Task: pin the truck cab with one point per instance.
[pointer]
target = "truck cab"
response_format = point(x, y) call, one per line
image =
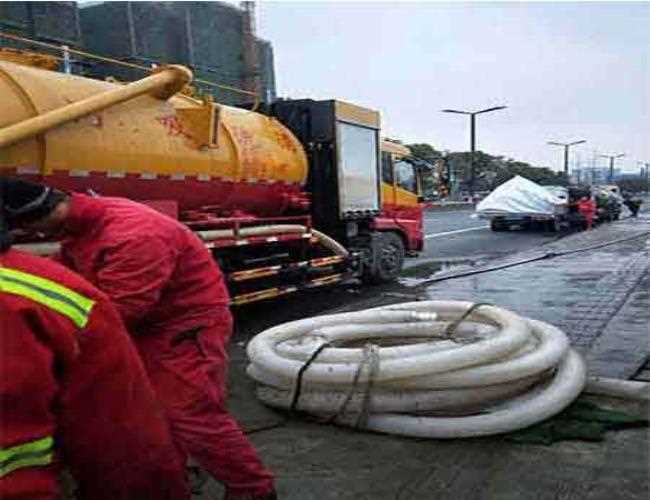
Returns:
point(401, 190)
point(364, 192)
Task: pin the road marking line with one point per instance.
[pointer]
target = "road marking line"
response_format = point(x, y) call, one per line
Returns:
point(457, 231)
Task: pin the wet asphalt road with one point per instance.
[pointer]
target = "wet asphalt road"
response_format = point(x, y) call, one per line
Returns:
point(452, 236)
point(456, 235)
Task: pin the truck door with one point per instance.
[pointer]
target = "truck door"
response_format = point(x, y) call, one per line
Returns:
point(408, 209)
point(401, 205)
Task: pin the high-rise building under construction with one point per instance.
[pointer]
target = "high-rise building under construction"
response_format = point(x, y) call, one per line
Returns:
point(217, 40)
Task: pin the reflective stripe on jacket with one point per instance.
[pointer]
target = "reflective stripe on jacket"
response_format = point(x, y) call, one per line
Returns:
point(58, 299)
point(48, 293)
point(30, 454)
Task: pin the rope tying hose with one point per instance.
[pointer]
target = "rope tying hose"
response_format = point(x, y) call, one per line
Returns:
point(453, 326)
point(296, 395)
point(355, 382)
point(372, 357)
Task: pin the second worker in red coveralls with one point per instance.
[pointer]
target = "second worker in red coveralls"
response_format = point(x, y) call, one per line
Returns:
point(172, 297)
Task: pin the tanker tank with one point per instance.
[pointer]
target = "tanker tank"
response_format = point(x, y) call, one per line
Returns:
point(193, 152)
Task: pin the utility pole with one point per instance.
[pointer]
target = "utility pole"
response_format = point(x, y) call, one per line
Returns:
point(450, 177)
point(645, 175)
point(612, 158)
point(472, 139)
point(566, 146)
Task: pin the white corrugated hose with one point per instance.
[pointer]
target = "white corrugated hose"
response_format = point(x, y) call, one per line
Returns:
point(436, 369)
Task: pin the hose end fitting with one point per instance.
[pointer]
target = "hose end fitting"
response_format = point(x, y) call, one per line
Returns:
point(425, 316)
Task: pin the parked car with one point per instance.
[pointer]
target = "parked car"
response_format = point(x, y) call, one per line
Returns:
point(521, 204)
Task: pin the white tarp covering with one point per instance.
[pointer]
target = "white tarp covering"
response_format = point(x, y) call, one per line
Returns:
point(558, 191)
point(521, 196)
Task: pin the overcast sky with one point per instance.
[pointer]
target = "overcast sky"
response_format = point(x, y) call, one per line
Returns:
point(566, 71)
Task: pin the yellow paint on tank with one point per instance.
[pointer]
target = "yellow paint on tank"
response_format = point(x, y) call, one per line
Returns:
point(29, 58)
point(142, 136)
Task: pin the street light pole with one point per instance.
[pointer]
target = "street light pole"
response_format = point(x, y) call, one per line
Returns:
point(645, 175)
point(611, 169)
point(472, 139)
point(566, 146)
point(472, 158)
point(612, 158)
point(566, 162)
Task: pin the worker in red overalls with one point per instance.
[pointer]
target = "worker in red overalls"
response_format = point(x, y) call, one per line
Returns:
point(73, 391)
point(587, 208)
point(172, 297)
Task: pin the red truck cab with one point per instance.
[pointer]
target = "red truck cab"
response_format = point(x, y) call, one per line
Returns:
point(401, 191)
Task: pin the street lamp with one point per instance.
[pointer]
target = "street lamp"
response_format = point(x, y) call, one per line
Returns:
point(645, 175)
point(472, 137)
point(566, 146)
point(611, 164)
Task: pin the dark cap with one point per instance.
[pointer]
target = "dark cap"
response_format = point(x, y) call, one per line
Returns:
point(25, 202)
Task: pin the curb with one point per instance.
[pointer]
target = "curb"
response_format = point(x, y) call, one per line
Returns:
point(448, 207)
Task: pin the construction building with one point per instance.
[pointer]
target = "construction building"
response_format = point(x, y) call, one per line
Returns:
point(54, 22)
point(217, 40)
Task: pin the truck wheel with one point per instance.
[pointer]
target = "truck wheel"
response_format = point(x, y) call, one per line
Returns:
point(554, 226)
point(388, 255)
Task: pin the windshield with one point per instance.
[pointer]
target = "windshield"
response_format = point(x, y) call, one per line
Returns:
point(405, 176)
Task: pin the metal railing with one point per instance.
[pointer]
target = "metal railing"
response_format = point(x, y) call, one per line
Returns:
point(65, 51)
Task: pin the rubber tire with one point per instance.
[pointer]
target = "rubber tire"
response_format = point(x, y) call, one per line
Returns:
point(390, 252)
point(554, 226)
point(497, 226)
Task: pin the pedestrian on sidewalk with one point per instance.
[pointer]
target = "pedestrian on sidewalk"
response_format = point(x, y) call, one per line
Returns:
point(634, 205)
point(587, 208)
point(173, 300)
point(74, 393)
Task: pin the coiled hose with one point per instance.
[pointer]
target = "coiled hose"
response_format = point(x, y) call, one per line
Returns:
point(437, 369)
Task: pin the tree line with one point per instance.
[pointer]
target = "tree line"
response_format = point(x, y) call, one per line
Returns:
point(490, 171)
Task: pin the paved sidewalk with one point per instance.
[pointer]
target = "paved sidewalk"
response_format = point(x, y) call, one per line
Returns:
point(600, 298)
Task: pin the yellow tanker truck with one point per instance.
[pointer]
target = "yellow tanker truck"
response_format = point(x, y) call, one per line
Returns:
point(287, 199)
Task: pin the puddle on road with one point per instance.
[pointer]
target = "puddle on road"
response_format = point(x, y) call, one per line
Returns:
point(414, 275)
